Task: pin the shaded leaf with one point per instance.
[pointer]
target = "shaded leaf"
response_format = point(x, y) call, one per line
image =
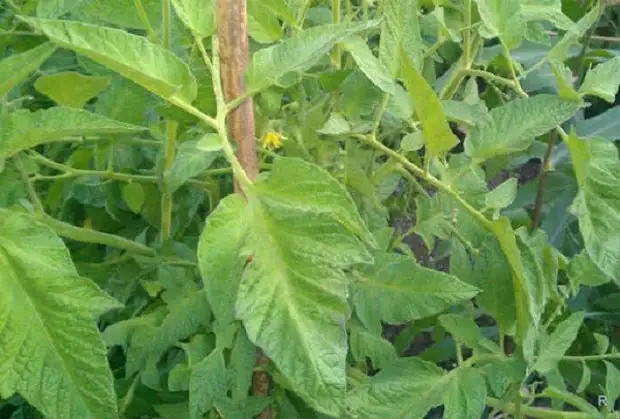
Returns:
point(190, 161)
point(17, 67)
point(197, 15)
point(367, 345)
point(465, 395)
point(23, 129)
point(503, 19)
point(612, 383)
point(207, 384)
point(400, 31)
point(503, 195)
point(71, 88)
point(582, 271)
point(369, 64)
point(132, 56)
point(52, 353)
point(466, 331)
point(133, 195)
point(604, 125)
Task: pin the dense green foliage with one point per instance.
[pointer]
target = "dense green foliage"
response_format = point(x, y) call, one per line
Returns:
point(434, 231)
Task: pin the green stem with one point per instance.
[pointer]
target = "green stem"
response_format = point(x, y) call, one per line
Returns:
point(336, 53)
point(166, 20)
point(467, 35)
point(536, 412)
point(517, 85)
point(91, 236)
point(17, 160)
point(150, 33)
point(586, 44)
point(590, 357)
point(490, 77)
point(166, 199)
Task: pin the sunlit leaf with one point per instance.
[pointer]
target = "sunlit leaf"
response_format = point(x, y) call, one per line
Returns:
point(550, 10)
point(439, 137)
point(197, 15)
point(303, 230)
point(147, 64)
point(263, 25)
point(503, 19)
point(465, 395)
point(369, 64)
point(297, 53)
point(52, 353)
point(14, 69)
point(597, 169)
point(556, 345)
point(71, 88)
point(54, 8)
point(400, 31)
point(407, 388)
point(603, 80)
point(22, 129)
point(514, 126)
point(368, 345)
point(560, 50)
point(415, 291)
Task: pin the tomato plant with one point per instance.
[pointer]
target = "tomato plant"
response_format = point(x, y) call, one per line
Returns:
point(309, 209)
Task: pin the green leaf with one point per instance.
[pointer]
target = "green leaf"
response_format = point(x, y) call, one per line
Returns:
point(573, 36)
point(582, 271)
point(406, 389)
point(413, 141)
point(19, 66)
point(556, 345)
point(297, 53)
point(303, 230)
point(549, 10)
point(369, 64)
point(71, 88)
point(197, 15)
point(242, 360)
point(207, 384)
point(132, 56)
point(219, 258)
point(503, 195)
point(400, 31)
point(467, 332)
point(133, 195)
point(503, 19)
point(367, 345)
point(414, 291)
point(22, 129)
point(190, 161)
point(514, 126)
point(439, 137)
point(597, 169)
point(612, 383)
point(280, 8)
point(263, 26)
point(209, 143)
point(586, 377)
point(52, 352)
point(603, 80)
point(465, 395)
point(54, 8)
point(604, 125)
point(466, 113)
point(119, 13)
point(336, 124)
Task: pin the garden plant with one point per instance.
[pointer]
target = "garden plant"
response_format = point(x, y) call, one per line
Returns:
point(309, 209)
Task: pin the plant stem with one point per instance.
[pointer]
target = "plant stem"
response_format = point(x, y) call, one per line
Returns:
point(166, 198)
point(536, 412)
point(489, 77)
point(542, 181)
point(17, 160)
point(590, 357)
point(166, 19)
point(586, 44)
point(91, 236)
point(336, 53)
point(467, 35)
point(150, 33)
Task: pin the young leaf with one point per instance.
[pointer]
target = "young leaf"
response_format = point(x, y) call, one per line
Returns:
point(297, 53)
point(189, 162)
point(132, 56)
point(400, 31)
point(503, 19)
point(207, 384)
point(414, 291)
point(71, 88)
point(22, 129)
point(52, 352)
point(369, 64)
point(514, 126)
point(597, 167)
point(407, 388)
point(263, 26)
point(17, 67)
point(133, 195)
point(603, 80)
point(197, 15)
point(303, 230)
point(219, 255)
point(556, 345)
point(559, 52)
point(465, 395)
point(439, 137)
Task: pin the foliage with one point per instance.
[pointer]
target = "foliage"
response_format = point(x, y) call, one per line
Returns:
point(433, 230)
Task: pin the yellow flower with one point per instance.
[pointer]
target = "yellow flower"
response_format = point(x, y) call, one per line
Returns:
point(272, 139)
